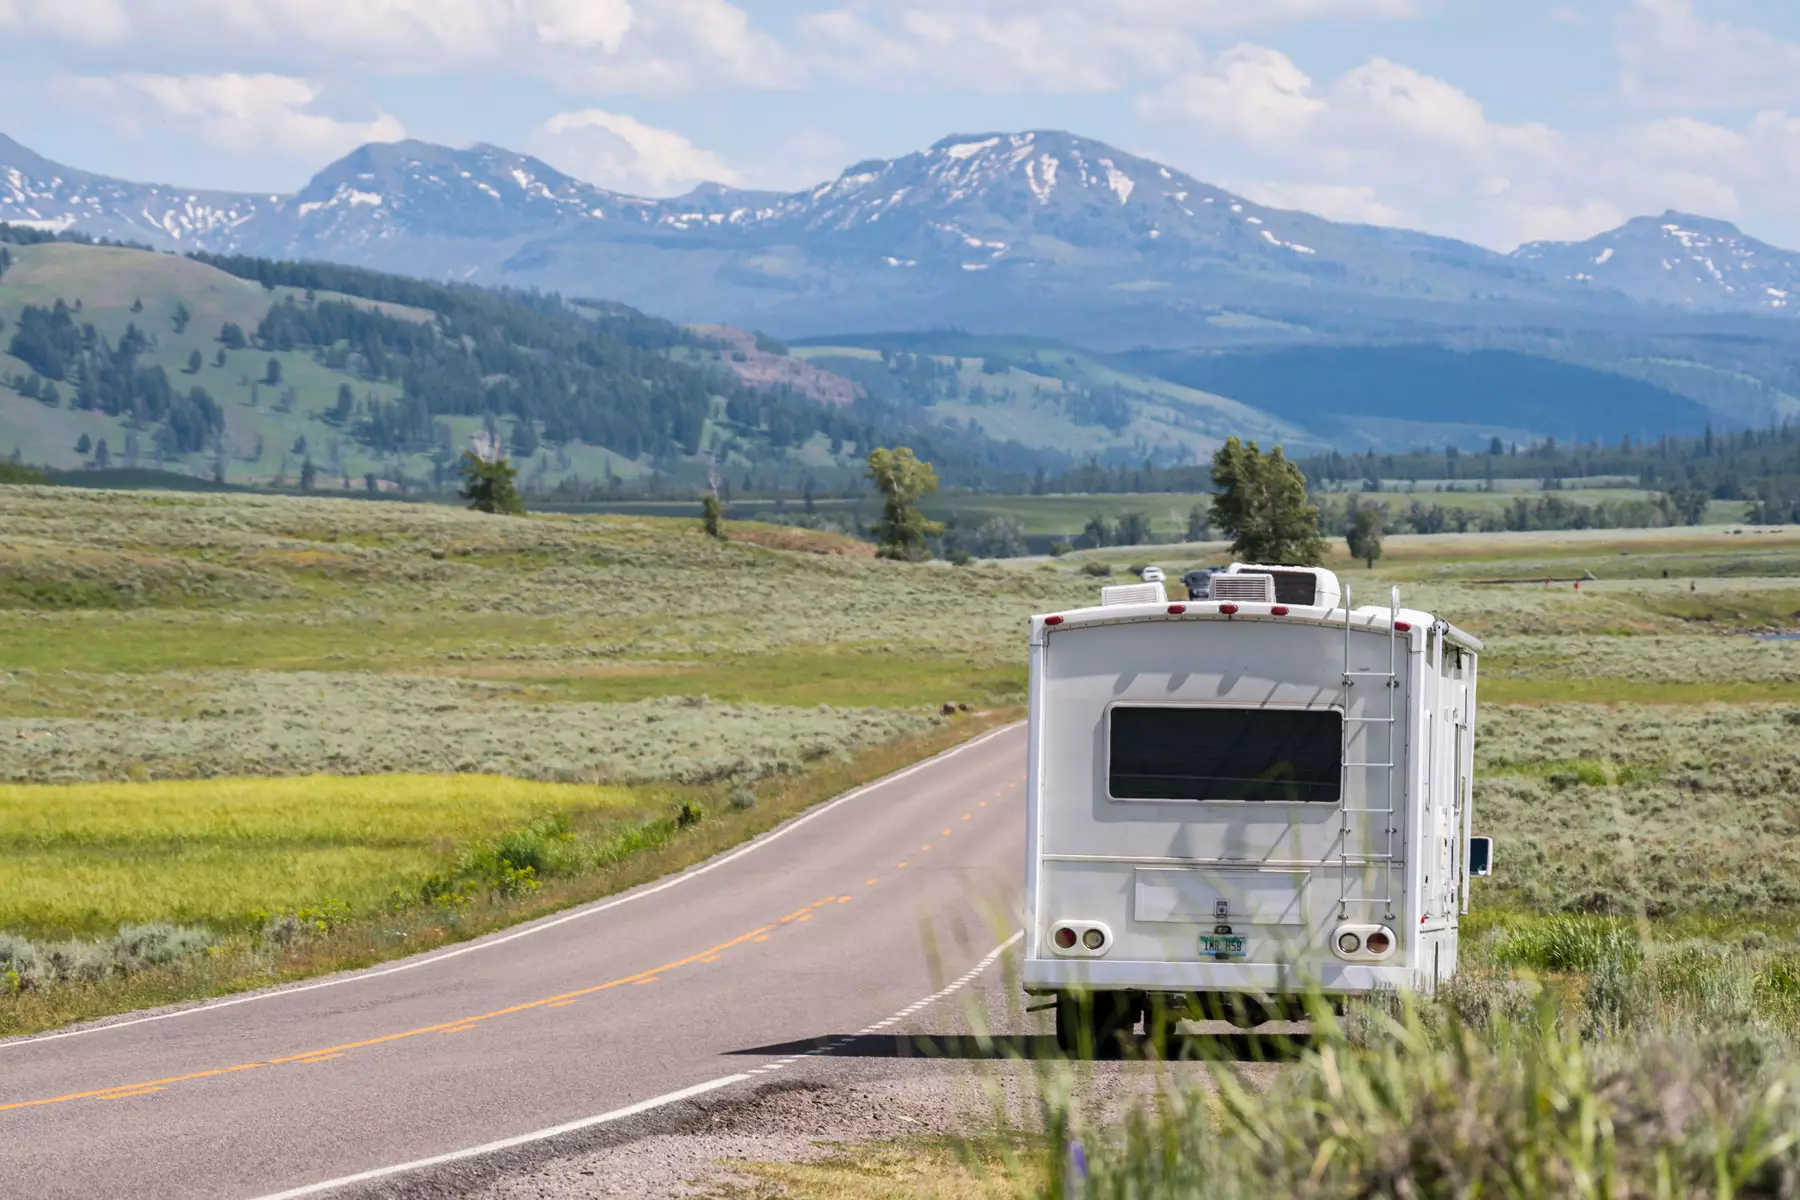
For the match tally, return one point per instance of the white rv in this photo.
(1237, 799)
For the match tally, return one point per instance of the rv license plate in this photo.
(1222, 945)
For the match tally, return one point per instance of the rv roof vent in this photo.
(1134, 593)
(1256, 589)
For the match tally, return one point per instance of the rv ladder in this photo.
(1347, 897)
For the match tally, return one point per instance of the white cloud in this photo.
(1068, 46)
(1249, 89)
(611, 45)
(244, 114)
(623, 153)
(1390, 144)
(1672, 58)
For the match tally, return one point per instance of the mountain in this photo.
(1045, 234)
(1680, 260)
(1034, 232)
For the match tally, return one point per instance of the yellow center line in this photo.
(759, 934)
(129, 1095)
(868, 883)
(307, 1062)
(926, 846)
(903, 863)
(967, 816)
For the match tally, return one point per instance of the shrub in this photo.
(1098, 570)
(1569, 943)
(743, 798)
(1439, 1107)
(25, 965)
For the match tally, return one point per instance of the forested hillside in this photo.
(265, 371)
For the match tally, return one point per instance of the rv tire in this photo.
(1094, 1023)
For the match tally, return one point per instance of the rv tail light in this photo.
(1402, 626)
(1280, 610)
(1378, 942)
(1065, 938)
(1053, 620)
(1175, 610)
(1093, 939)
(1228, 609)
(1349, 943)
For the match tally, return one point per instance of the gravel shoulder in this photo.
(932, 1079)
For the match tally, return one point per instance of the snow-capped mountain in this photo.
(37, 192)
(1037, 230)
(1677, 259)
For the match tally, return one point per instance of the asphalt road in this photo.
(843, 922)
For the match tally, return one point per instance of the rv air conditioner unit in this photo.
(1312, 587)
(1134, 593)
(1252, 589)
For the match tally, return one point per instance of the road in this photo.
(842, 922)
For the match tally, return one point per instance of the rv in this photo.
(1237, 801)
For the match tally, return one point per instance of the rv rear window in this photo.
(1172, 753)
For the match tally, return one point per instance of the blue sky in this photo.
(1499, 121)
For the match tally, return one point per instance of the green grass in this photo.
(86, 858)
(843, 677)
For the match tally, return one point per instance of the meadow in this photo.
(300, 733)
(509, 716)
(1627, 1020)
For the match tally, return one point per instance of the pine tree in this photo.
(1262, 506)
(195, 362)
(1199, 523)
(488, 479)
(272, 374)
(102, 455)
(1364, 538)
(308, 474)
(83, 444)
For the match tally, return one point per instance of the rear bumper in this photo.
(1332, 979)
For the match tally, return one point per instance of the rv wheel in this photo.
(1092, 1024)
(1245, 1012)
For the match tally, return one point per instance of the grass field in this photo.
(511, 716)
(90, 857)
(1627, 1022)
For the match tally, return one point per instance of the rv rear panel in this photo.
(1246, 799)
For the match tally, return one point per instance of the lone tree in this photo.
(488, 479)
(903, 530)
(712, 509)
(308, 474)
(1262, 506)
(1364, 537)
(1199, 523)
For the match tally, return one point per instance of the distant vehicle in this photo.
(1198, 582)
(1153, 575)
(1233, 800)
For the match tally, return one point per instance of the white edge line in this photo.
(538, 927)
(617, 1114)
(419, 1164)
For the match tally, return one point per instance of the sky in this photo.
(1497, 121)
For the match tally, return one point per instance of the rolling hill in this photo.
(247, 370)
